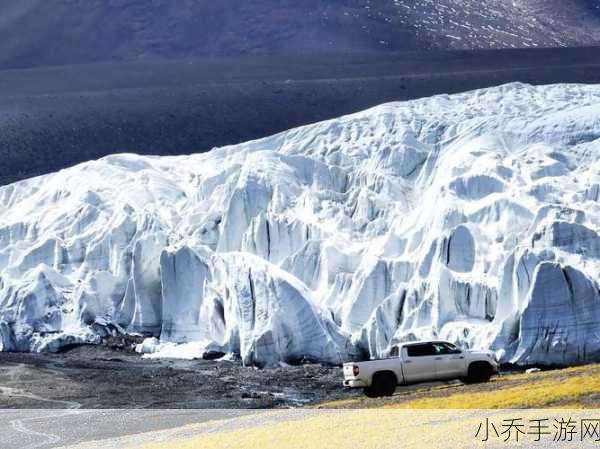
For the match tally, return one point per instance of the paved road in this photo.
(29, 429)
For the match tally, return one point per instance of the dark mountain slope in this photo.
(51, 118)
(54, 32)
(41, 32)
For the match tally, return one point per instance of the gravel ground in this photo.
(98, 377)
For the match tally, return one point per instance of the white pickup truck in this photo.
(419, 362)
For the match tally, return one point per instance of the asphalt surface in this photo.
(29, 429)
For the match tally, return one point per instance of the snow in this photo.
(462, 24)
(473, 218)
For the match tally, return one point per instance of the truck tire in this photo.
(383, 384)
(479, 372)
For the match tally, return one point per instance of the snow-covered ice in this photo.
(472, 217)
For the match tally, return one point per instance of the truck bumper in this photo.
(354, 384)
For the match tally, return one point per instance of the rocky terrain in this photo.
(100, 378)
(472, 24)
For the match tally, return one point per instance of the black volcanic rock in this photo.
(55, 32)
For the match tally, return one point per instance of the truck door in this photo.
(419, 362)
(449, 361)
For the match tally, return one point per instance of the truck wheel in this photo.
(479, 372)
(383, 384)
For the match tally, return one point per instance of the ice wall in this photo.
(472, 217)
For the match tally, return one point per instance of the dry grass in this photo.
(528, 395)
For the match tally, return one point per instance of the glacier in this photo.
(473, 218)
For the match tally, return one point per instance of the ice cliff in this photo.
(472, 218)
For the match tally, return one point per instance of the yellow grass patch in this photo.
(534, 391)
(528, 395)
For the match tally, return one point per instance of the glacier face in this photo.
(472, 218)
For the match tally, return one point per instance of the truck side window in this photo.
(453, 349)
(422, 350)
(446, 348)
